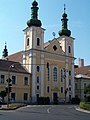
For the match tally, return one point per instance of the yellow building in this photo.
(21, 81)
(51, 63)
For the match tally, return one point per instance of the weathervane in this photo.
(64, 8)
(54, 34)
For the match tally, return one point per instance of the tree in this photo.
(87, 89)
(87, 93)
(3, 94)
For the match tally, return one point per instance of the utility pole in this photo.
(9, 85)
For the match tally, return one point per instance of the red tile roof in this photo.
(85, 70)
(46, 44)
(5, 65)
(17, 57)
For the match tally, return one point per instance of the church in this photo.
(51, 63)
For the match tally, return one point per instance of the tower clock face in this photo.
(39, 31)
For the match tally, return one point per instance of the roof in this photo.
(85, 70)
(82, 76)
(12, 66)
(17, 57)
(46, 44)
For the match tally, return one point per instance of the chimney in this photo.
(80, 62)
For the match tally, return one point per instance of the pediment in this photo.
(54, 47)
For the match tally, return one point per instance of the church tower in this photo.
(5, 52)
(67, 45)
(33, 58)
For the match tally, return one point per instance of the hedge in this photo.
(85, 105)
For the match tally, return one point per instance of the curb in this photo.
(12, 109)
(82, 110)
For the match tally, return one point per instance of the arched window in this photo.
(27, 41)
(38, 42)
(61, 75)
(55, 74)
(48, 89)
(69, 49)
(37, 79)
(48, 72)
(38, 68)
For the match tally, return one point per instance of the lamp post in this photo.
(8, 85)
(66, 94)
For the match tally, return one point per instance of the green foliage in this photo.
(3, 94)
(85, 105)
(75, 100)
(43, 100)
(87, 89)
(16, 105)
(88, 98)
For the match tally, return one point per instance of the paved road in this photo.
(60, 112)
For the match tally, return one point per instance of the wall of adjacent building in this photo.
(19, 88)
(80, 85)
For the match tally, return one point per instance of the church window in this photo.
(37, 87)
(48, 89)
(69, 81)
(70, 72)
(69, 88)
(55, 74)
(62, 90)
(61, 75)
(38, 42)
(48, 72)
(69, 49)
(38, 68)
(37, 79)
(55, 47)
(28, 42)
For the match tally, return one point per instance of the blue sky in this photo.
(15, 13)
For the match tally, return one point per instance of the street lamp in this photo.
(66, 94)
(8, 89)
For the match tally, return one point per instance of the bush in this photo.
(85, 105)
(43, 101)
(75, 100)
(88, 98)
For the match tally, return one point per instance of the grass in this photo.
(85, 105)
(13, 106)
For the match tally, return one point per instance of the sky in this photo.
(14, 15)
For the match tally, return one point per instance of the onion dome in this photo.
(34, 4)
(34, 16)
(64, 20)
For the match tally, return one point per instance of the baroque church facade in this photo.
(52, 63)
